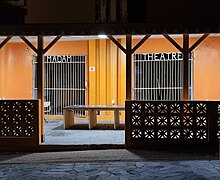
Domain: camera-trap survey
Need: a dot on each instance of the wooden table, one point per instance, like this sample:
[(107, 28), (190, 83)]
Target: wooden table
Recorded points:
[(69, 114)]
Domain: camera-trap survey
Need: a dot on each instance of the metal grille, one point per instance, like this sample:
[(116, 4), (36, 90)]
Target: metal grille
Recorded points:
[(159, 76), (64, 82)]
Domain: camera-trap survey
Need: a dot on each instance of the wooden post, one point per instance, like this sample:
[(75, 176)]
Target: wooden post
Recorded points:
[(186, 51), (185, 67), (40, 81), (128, 67)]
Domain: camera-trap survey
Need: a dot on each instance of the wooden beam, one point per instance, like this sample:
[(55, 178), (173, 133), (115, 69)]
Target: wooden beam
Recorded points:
[(117, 43), (40, 82), (185, 67), (140, 42), (128, 67), (52, 43), (29, 44), (198, 42), (5, 41), (173, 42)]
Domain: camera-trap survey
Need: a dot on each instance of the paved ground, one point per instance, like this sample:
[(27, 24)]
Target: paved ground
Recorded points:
[(109, 164)]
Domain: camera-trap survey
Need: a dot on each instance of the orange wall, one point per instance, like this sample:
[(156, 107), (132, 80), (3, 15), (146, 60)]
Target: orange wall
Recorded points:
[(16, 66), (15, 71), (107, 82), (207, 70), (69, 48), (206, 64)]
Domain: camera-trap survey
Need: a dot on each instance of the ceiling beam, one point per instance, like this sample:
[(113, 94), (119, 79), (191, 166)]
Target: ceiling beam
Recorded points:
[(173, 42), (140, 42), (116, 43), (198, 42), (29, 44), (51, 44), (5, 41)]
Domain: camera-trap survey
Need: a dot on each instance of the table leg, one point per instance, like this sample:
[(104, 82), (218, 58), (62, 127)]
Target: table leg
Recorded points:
[(92, 118), (116, 118), (68, 118)]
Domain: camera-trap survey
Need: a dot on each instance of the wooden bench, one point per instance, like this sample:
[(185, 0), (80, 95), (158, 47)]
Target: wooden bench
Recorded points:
[(69, 114)]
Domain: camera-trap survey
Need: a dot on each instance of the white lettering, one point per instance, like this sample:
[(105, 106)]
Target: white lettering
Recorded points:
[(169, 55), (150, 56), (156, 56), (179, 56), (49, 58), (173, 56), (69, 58), (162, 57), (59, 59), (64, 59), (54, 59)]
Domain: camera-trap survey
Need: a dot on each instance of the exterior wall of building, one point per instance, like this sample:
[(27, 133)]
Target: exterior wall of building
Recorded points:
[(207, 70), (15, 71), (55, 11), (106, 82)]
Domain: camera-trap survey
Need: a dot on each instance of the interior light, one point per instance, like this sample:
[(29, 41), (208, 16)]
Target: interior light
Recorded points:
[(102, 36)]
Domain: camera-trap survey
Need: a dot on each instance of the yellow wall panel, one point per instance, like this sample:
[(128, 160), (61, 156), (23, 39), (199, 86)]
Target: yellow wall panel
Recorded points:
[(121, 76), (113, 64), (109, 77), (92, 72), (102, 72)]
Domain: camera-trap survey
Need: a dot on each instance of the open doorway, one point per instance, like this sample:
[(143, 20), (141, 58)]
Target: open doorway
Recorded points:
[(68, 81)]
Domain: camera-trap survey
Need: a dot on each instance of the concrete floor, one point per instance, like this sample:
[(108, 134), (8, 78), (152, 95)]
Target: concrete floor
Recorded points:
[(56, 135)]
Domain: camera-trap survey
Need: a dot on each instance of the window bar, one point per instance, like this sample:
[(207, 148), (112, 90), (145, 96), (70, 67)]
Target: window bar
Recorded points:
[(57, 84), (138, 78), (159, 80), (150, 78), (67, 82), (142, 79), (145, 78), (53, 87), (152, 87), (153, 69), (80, 82), (177, 83), (170, 76), (74, 82), (168, 80), (156, 80), (180, 79), (162, 82), (47, 80), (177, 80)]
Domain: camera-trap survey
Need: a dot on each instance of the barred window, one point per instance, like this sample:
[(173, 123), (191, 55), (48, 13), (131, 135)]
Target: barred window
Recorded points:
[(64, 82), (159, 76)]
